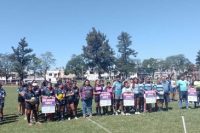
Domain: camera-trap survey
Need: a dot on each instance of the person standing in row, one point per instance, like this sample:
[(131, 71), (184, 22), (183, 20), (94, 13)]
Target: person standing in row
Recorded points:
[(30, 101), (117, 87), (86, 96), (2, 100), (183, 85), (97, 91)]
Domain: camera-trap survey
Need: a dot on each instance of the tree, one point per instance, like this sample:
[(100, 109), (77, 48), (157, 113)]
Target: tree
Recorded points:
[(198, 59), (47, 60), (36, 66), (76, 65), (22, 57), (125, 63), (150, 65), (97, 53), (6, 66), (178, 62)]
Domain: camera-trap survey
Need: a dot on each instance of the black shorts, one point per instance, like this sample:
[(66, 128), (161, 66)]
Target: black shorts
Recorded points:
[(97, 99), (70, 101), (117, 101), (61, 103), (76, 102), (1, 105), (30, 106), (136, 96), (21, 99)]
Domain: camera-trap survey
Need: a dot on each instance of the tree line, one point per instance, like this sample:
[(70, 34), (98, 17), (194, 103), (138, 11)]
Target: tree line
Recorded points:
[(100, 57), (97, 56), (22, 60)]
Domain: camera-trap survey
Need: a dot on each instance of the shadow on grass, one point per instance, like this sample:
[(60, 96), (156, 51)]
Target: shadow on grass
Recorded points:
[(9, 118)]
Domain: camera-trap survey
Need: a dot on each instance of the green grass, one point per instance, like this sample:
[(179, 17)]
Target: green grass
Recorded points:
[(159, 122)]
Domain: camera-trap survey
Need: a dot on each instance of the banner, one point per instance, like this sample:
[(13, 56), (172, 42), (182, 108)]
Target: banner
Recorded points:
[(150, 96), (105, 99), (192, 95), (128, 99), (48, 105)]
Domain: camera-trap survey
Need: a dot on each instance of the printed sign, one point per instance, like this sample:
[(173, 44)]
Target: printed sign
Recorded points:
[(105, 99), (150, 96), (48, 105), (128, 99), (192, 95)]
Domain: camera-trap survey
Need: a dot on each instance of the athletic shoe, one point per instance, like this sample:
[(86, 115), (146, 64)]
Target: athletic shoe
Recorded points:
[(69, 118), (84, 116), (30, 124), (25, 118), (76, 118), (122, 113), (116, 113), (90, 115), (38, 123)]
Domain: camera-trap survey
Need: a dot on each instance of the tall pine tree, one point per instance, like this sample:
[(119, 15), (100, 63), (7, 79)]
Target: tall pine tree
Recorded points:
[(97, 53), (22, 56), (125, 63)]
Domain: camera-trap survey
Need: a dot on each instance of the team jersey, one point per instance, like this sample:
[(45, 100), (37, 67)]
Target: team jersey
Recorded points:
[(29, 94), (166, 86), (2, 95), (86, 92), (127, 89), (98, 90), (160, 91), (69, 92), (183, 85), (47, 92), (117, 86), (109, 90), (197, 85), (136, 89), (21, 90), (148, 87), (76, 92)]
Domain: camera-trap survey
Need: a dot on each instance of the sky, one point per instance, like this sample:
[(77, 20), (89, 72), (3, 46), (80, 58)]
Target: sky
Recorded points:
[(159, 28)]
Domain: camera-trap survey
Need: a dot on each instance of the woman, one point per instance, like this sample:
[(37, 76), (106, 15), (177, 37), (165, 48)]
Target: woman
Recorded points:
[(76, 95), (109, 89), (2, 101), (147, 87), (70, 101), (37, 92), (30, 101), (60, 101), (117, 87), (137, 95), (86, 96), (160, 95), (21, 101), (48, 92), (126, 89), (97, 91)]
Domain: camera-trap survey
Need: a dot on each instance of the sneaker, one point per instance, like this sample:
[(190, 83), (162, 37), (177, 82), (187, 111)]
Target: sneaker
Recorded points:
[(84, 116), (30, 124), (76, 118), (69, 118), (38, 123), (122, 113), (90, 115), (25, 118), (137, 113), (116, 113)]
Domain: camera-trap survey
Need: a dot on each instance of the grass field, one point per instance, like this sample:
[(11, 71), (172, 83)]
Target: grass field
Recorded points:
[(159, 122)]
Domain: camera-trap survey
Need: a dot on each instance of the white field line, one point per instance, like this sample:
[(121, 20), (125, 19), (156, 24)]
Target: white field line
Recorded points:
[(184, 126), (105, 129)]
